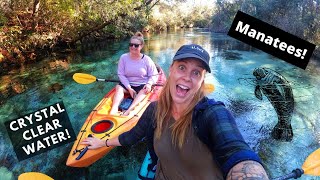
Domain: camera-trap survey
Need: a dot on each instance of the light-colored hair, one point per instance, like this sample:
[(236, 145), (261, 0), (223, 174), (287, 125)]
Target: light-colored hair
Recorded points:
[(164, 113), (139, 36)]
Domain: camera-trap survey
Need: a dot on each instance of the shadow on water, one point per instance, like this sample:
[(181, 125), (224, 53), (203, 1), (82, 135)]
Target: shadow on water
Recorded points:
[(231, 55), (239, 107), (35, 86)]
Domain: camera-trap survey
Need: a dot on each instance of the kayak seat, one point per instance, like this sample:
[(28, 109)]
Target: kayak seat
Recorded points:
[(125, 104)]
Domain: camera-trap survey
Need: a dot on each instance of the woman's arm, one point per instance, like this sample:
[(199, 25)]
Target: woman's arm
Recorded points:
[(152, 75), (127, 138), (235, 157), (151, 71), (138, 132), (247, 170), (121, 71), (96, 143)]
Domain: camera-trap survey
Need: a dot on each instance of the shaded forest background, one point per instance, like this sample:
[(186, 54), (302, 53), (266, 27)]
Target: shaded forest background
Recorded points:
[(33, 29)]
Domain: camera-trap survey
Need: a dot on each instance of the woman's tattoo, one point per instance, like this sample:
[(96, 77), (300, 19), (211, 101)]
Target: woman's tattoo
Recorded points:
[(247, 170)]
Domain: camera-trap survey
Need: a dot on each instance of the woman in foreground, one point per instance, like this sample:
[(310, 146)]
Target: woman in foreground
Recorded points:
[(190, 136)]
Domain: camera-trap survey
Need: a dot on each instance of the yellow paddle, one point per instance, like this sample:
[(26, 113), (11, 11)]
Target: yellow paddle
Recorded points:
[(83, 78), (311, 166), (34, 176), (208, 88)]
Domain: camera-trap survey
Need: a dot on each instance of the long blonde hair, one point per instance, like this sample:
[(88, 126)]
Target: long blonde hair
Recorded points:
[(164, 113)]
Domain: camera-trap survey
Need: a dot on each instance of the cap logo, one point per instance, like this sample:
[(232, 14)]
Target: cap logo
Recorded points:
[(197, 48)]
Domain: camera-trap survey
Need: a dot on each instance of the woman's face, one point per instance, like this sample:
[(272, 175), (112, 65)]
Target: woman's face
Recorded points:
[(186, 77), (135, 46)]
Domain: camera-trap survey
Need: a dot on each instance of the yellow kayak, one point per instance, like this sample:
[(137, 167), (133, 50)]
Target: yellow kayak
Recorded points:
[(104, 126)]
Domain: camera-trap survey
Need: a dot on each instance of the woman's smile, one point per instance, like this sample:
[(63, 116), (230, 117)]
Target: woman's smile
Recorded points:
[(182, 90)]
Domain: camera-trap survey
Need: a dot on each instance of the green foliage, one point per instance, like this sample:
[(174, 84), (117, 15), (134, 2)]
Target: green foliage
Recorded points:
[(3, 19), (114, 30), (26, 30), (179, 14), (224, 14), (298, 17), (201, 16), (202, 23)]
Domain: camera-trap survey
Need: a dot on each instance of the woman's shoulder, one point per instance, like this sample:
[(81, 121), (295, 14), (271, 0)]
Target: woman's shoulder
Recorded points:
[(124, 56), (209, 108), (150, 62), (148, 58), (149, 114), (152, 107), (208, 103)]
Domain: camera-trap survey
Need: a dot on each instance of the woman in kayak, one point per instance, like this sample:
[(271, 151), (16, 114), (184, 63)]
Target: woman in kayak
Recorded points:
[(137, 73), (188, 135)]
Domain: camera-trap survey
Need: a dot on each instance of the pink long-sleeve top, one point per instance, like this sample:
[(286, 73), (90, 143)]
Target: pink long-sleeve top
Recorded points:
[(136, 72)]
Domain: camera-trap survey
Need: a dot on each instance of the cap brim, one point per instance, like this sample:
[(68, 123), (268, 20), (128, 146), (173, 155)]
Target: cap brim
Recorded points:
[(189, 55)]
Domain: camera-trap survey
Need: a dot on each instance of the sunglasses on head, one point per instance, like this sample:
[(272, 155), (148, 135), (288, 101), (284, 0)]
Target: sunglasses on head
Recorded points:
[(135, 45)]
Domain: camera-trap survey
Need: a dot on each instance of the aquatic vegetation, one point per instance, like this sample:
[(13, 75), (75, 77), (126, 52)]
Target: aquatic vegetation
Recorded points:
[(228, 55)]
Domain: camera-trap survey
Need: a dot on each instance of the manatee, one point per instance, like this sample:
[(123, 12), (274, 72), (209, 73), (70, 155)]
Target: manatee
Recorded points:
[(279, 92)]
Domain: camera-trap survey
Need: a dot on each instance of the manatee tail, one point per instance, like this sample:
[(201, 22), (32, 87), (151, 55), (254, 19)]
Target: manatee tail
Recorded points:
[(282, 132)]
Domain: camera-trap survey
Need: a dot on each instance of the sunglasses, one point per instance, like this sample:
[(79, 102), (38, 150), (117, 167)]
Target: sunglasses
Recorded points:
[(135, 45)]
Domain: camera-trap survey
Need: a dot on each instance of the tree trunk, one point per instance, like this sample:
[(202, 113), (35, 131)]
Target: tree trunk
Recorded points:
[(36, 5), (84, 34)]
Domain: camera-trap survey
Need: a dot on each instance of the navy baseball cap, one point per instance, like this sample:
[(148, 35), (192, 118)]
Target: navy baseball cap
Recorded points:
[(193, 51)]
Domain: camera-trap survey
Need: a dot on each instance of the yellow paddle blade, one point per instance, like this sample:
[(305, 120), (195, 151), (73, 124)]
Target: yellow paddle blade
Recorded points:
[(34, 176), (208, 88), (82, 78), (311, 165)]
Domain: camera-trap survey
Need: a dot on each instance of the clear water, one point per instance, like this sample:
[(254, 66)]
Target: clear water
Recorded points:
[(38, 85)]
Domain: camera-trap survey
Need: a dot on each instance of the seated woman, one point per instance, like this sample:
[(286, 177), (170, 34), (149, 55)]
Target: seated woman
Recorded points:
[(137, 73)]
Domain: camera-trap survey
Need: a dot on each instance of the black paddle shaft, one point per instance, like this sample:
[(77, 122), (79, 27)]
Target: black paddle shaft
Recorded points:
[(84, 150), (113, 80), (294, 174), (107, 80)]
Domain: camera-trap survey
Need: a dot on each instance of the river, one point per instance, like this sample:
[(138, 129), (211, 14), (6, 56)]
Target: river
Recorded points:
[(49, 81)]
